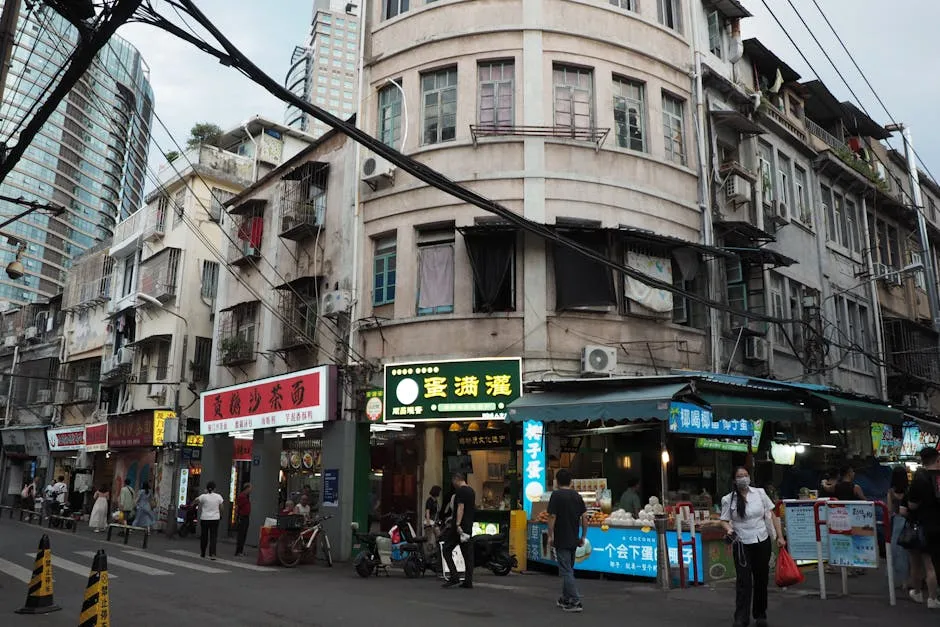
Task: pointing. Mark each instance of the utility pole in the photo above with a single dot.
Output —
(926, 253)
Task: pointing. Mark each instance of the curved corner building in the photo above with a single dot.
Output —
(90, 157)
(576, 114)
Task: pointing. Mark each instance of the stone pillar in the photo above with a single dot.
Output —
(265, 470)
(433, 466)
(339, 455)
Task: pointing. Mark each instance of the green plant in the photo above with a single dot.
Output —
(863, 168)
(235, 347)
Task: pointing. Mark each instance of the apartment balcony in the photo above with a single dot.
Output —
(249, 218)
(237, 348)
(783, 122)
(117, 366)
(155, 221)
(591, 135)
(158, 274)
(825, 136)
(302, 220)
(303, 200)
(209, 160)
(297, 305)
(911, 354)
(244, 253)
(76, 393)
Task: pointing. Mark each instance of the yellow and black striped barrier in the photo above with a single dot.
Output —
(96, 608)
(39, 593)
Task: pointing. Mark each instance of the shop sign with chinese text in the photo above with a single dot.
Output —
(482, 440)
(689, 419)
(131, 431)
(290, 400)
(533, 463)
(96, 437)
(66, 438)
(733, 446)
(195, 440)
(374, 405)
(459, 389)
(159, 425)
(241, 450)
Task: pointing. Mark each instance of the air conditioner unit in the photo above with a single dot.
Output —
(62, 397)
(782, 211)
(43, 396)
(376, 169)
(335, 302)
(85, 394)
(598, 359)
(31, 333)
(47, 411)
(737, 188)
(157, 390)
(124, 356)
(755, 349)
(9, 341)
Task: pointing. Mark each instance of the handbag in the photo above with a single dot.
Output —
(912, 537)
(788, 573)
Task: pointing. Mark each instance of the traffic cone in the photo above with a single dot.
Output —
(39, 593)
(96, 608)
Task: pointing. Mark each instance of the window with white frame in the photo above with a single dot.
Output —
(626, 5)
(838, 214)
(674, 128)
(496, 93)
(784, 195)
(630, 114)
(439, 106)
(390, 115)
(888, 244)
(128, 279)
(853, 226)
(573, 97)
(801, 211)
(669, 13)
(716, 34)
(765, 158)
(392, 8)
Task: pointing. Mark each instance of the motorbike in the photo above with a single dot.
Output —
(489, 551)
(186, 520)
(381, 551)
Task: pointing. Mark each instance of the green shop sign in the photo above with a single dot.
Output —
(715, 444)
(452, 390)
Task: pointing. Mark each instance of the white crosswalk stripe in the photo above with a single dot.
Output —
(15, 570)
(176, 562)
(72, 567)
(245, 565)
(140, 568)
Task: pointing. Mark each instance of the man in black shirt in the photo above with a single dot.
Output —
(924, 503)
(459, 531)
(567, 528)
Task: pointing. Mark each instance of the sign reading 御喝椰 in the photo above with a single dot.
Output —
(291, 400)
(691, 419)
(458, 389)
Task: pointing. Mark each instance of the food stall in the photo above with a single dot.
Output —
(484, 452)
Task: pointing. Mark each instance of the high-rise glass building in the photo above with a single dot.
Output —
(90, 157)
(325, 70)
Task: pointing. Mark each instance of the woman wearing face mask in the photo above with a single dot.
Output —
(748, 517)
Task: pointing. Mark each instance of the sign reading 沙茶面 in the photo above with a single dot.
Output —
(447, 390)
(694, 420)
(66, 438)
(290, 400)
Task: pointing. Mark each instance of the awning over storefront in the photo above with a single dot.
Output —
(641, 403)
(751, 408)
(858, 410)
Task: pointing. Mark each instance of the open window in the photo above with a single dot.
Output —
(581, 282)
(492, 252)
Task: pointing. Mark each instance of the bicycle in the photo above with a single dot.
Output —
(294, 546)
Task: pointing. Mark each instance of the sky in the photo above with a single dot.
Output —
(891, 48)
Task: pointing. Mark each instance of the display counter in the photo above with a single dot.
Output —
(628, 551)
(491, 521)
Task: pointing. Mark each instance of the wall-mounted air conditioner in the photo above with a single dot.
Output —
(737, 188)
(375, 170)
(598, 360)
(755, 349)
(334, 302)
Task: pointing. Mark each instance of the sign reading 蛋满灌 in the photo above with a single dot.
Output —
(460, 389)
(691, 419)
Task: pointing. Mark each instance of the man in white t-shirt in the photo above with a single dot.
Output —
(210, 506)
(61, 490)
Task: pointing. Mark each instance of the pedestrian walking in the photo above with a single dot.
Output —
(924, 509)
(458, 532)
(897, 505)
(126, 500)
(567, 530)
(243, 511)
(209, 505)
(98, 520)
(749, 521)
(144, 502)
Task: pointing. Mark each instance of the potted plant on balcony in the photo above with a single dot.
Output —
(235, 348)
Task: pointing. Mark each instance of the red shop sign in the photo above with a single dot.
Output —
(96, 437)
(291, 400)
(131, 431)
(242, 452)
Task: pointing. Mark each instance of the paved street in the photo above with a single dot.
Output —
(169, 582)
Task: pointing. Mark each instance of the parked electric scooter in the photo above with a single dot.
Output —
(185, 520)
(489, 551)
(400, 546)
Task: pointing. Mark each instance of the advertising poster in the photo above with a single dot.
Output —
(533, 473)
(331, 487)
(853, 537)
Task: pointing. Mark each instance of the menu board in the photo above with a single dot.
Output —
(801, 531)
(886, 441)
(853, 537)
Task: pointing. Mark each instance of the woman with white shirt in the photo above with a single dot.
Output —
(748, 517)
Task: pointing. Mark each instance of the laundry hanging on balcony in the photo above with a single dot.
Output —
(251, 231)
